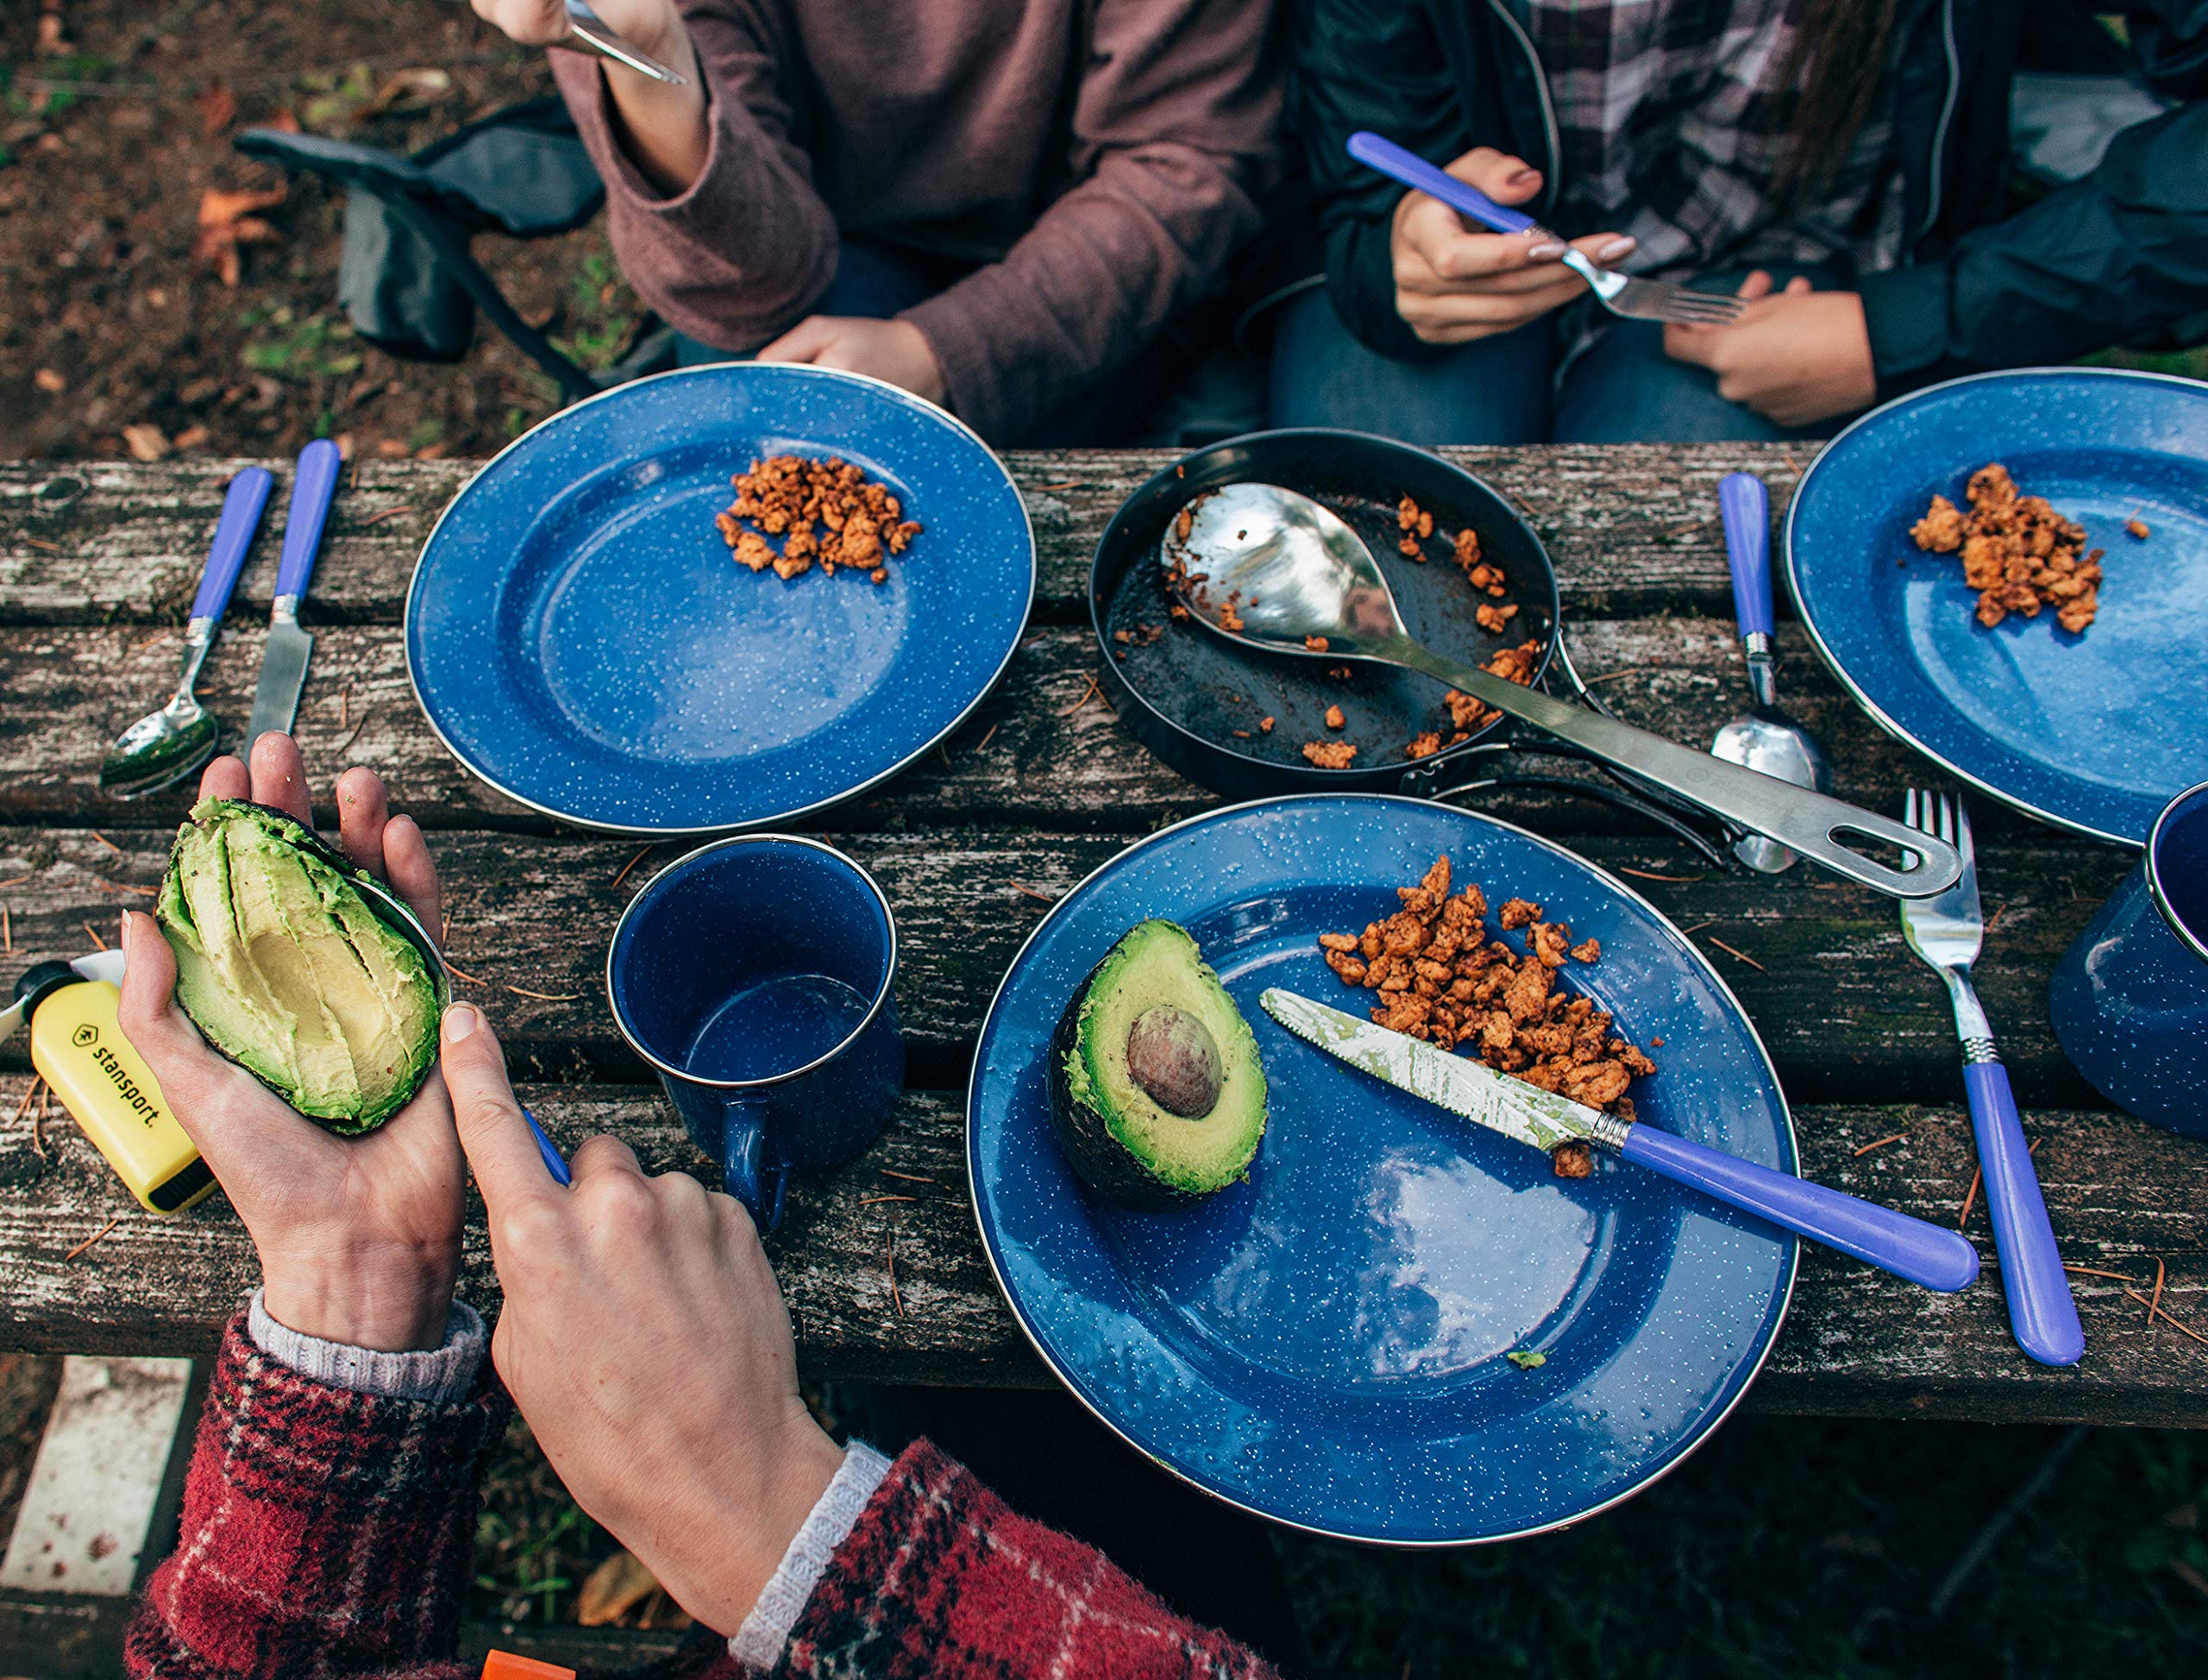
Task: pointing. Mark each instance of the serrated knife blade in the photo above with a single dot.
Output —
(1909, 1247)
(1538, 1118)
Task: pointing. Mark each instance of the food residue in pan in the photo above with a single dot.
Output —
(826, 512)
(1440, 977)
(2017, 552)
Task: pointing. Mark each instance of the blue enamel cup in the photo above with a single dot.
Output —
(754, 974)
(2131, 997)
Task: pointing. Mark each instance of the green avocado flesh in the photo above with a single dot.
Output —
(1156, 1088)
(293, 972)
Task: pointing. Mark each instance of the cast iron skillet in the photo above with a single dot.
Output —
(1196, 700)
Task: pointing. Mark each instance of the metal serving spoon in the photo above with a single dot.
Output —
(1301, 582)
(164, 747)
(1766, 739)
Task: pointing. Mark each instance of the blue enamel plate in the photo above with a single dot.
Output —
(1325, 1345)
(2093, 732)
(581, 638)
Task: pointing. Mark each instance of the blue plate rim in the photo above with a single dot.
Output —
(1877, 714)
(749, 824)
(1687, 1449)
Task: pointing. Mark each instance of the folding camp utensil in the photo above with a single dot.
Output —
(1894, 1242)
(284, 662)
(587, 30)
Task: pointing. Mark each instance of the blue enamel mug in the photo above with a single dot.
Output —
(754, 974)
(2131, 997)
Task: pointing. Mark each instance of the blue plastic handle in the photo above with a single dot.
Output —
(744, 1172)
(1377, 152)
(1746, 505)
(241, 506)
(1907, 1247)
(2040, 1311)
(313, 489)
(554, 1162)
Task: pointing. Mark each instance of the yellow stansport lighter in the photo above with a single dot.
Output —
(106, 1085)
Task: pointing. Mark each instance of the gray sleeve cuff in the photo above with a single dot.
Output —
(440, 1375)
(758, 1644)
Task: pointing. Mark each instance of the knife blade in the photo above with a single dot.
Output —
(1895, 1242)
(284, 661)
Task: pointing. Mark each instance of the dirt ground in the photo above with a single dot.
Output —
(119, 333)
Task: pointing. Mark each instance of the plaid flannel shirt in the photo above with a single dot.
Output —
(1672, 118)
(327, 1535)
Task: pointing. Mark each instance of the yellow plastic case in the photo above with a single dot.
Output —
(78, 1045)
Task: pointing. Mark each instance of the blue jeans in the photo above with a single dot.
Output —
(1621, 389)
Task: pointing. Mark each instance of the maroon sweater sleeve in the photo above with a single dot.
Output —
(735, 258)
(938, 1580)
(1173, 138)
(324, 1531)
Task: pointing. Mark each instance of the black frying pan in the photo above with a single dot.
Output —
(1196, 699)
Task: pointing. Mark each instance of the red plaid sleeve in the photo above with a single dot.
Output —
(324, 1531)
(938, 1579)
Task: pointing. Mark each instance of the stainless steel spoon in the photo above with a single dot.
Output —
(1301, 582)
(164, 747)
(1766, 739)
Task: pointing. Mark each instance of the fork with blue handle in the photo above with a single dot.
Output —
(1945, 931)
(1621, 294)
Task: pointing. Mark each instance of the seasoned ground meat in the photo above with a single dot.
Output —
(828, 514)
(1330, 754)
(1437, 976)
(2017, 552)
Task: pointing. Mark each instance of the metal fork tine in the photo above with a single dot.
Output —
(1948, 818)
(1687, 307)
(1962, 831)
(1909, 808)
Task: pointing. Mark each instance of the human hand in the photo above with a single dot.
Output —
(1795, 356)
(359, 1238)
(896, 351)
(1454, 286)
(645, 1342)
(650, 24)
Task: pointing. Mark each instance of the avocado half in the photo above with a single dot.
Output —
(298, 967)
(1156, 1088)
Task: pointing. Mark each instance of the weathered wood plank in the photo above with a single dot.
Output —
(1032, 753)
(1631, 529)
(1857, 1341)
(1848, 1013)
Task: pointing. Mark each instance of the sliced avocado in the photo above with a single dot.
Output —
(1156, 1088)
(291, 963)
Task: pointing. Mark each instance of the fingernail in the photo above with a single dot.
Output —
(1616, 248)
(1526, 172)
(1547, 251)
(124, 938)
(460, 1021)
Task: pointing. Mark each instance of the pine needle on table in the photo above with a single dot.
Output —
(890, 1251)
(2155, 1305)
(542, 997)
(1032, 892)
(910, 1178)
(1736, 951)
(388, 513)
(2178, 1325)
(870, 1201)
(1650, 874)
(632, 863)
(109, 843)
(94, 1238)
(1970, 1199)
(1898, 1137)
(99, 944)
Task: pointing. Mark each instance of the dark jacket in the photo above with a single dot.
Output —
(2116, 258)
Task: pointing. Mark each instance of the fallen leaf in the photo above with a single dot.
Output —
(49, 381)
(227, 221)
(409, 89)
(50, 40)
(284, 121)
(613, 1589)
(218, 107)
(191, 437)
(145, 442)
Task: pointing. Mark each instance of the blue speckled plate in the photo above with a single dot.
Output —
(581, 638)
(1324, 1344)
(2094, 732)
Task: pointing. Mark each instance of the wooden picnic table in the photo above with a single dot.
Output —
(97, 561)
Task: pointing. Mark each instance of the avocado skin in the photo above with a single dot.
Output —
(287, 830)
(1097, 1157)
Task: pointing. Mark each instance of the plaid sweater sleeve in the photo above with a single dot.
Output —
(325, 1532)
(938, 1579)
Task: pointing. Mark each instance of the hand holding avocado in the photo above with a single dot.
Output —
(359, 1238)
(645, 1341)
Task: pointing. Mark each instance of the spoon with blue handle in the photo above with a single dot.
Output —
(164, 747)
(1765, 739)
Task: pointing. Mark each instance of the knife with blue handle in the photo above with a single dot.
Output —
(284, 661)
(1894, 1242)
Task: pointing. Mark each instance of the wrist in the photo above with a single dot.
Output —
(760, 1527)
(400, 1305)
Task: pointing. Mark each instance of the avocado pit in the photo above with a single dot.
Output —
(1174, 1059)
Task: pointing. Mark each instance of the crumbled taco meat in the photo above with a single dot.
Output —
(2139, 527)
(1316, 644)
(1492, 618)
(1334, 718)
(2017, 552)
(1438, 976)
(827, 512)
(1330, 754)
